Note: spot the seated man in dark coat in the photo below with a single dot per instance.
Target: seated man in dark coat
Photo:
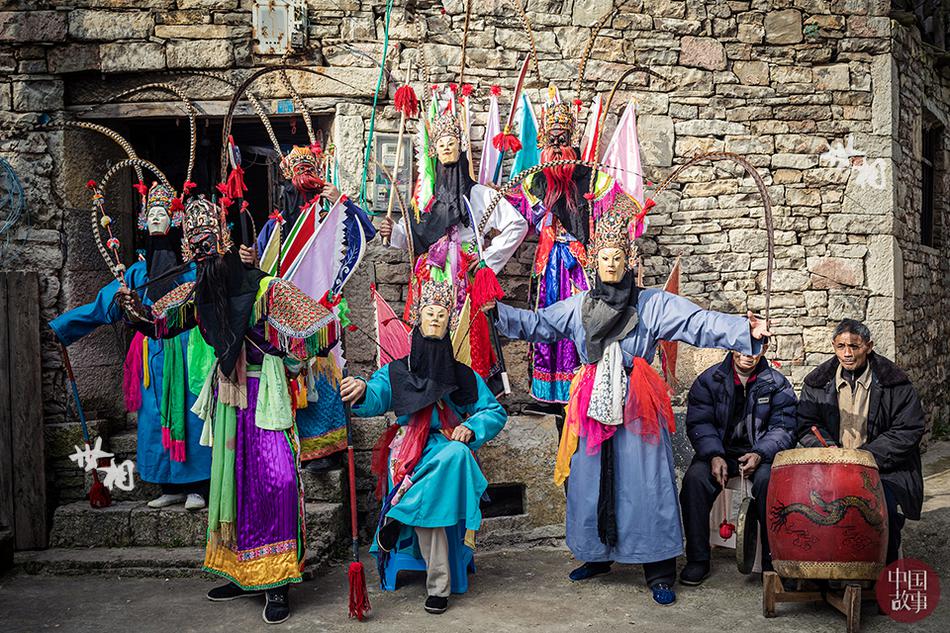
(859, 399)
(740, 413)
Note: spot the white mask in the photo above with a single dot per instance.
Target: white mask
(158, 221)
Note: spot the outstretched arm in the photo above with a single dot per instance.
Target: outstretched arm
(369, 397)
(670, 317)
(548, 325)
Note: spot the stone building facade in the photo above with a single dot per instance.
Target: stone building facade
(829, 99)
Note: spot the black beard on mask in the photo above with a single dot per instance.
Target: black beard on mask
(211, 287)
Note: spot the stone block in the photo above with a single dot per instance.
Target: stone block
(199, 54)
(325, 523)
(79, 525)
(702, 52)
(834, 77)
(657, 138)
(192, 31)
(108, 26)
(327, 486)
(846, 306)
(37, 96)
(29, 26)
(752, 73)
(794, 161)
(73, 58)
(750, 33)
(524, 453)
(708, 127)
(783, 27)
(119, 57)
(587, 12)
(217, 5)
(62, 439)
(835, 272)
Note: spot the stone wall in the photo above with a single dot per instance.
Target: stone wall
(923, 331)
(807, 90)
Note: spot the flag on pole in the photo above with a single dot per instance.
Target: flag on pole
(490, 154)
(592, 129)
(529, 155)
(393, 335)
(271, 253)
(298, 240)
(425, 166)
(669, 349)
(622, 157)
(318, 265)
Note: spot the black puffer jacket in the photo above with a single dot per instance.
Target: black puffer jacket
(895, 424)
(769, 415)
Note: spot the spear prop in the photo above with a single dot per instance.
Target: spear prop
(408, 106)
(506, 141)
(99, 496)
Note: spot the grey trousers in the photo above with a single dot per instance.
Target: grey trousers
(434, 545)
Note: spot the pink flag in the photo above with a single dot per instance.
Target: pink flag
(489, 161)
(622, 158)
(592, 129)
(392, 334)
(318, 265)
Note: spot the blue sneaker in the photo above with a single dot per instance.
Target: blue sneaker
(663, 594)
(589, 570)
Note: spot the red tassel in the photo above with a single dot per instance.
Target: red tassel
(485, 287)
(99, 496)
(359, 597)
(222, 188)
(235, 187)
(496, 90)
(187, 187)
(588, 196)
(225, 202)
(649, 204)
(578, 103)
(406, 101)
(91, 184)
(726, 530)
(454, 88)
(506, 143)
(141, 188)
(467, 89)
(177, 205)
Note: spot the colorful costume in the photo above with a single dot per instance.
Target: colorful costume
(621, 501)
(255, 519)
(162, 378)
(284, 238)
(431, 482)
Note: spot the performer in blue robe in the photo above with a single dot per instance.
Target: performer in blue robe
(621, 502)
(168, 454)
(445, 411)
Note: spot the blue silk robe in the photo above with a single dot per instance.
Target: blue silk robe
(447, 483)
(152, 461)
(648, 517)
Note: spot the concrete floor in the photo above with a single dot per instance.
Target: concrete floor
(512, 591)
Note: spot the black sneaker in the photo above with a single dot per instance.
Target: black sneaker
(230, 591)
(589, 570)
(388, 536)
(436, 604)
(277, 607)
(694, 573)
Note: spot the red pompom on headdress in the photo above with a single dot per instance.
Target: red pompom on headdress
(506, 142)
(406, 101)
(495, 90)
(141, 188)
(176, 205)
(187, 187)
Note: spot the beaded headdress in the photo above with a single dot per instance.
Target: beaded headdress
(204, 224)
(301, 156)
(614, 229)
(438, 293)
(558, 116)
(444, 125)
(160, 196)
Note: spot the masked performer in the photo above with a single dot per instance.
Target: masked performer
(321, 426)
(621, 502)
(162, 378)
(257, 325)
(558, 207)
(445, 411)
(444, 241)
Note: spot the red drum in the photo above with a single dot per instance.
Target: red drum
(826, 514)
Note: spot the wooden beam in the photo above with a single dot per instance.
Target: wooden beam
(26, 408)
(6, 419)
(165, 109)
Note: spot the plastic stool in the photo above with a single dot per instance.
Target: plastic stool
(406, 558)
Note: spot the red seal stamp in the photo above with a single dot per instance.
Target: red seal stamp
(908, 590)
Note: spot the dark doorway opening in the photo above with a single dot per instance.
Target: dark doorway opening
(504, 500)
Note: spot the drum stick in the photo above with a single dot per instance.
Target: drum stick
(814, 429)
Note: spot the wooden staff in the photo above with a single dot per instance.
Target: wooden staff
(394, 182)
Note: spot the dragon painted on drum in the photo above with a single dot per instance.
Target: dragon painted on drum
(826, 513)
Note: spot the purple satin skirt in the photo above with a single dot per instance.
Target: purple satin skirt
(554, 365)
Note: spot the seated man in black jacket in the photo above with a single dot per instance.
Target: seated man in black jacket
(740, 413)
(859, 399)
